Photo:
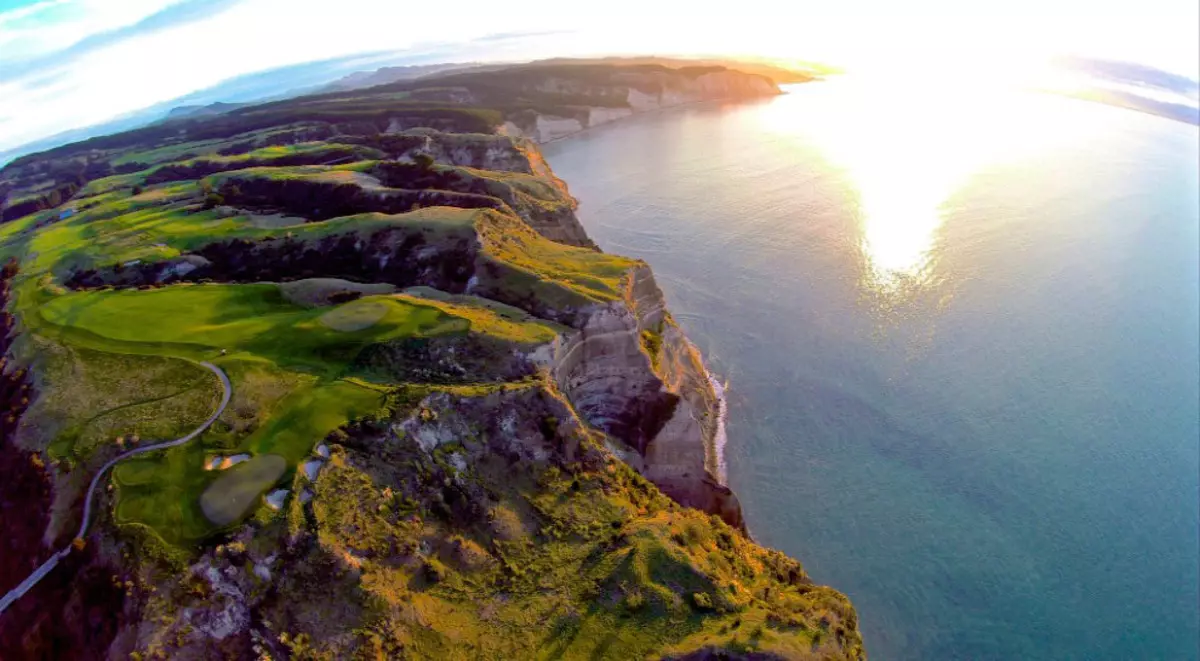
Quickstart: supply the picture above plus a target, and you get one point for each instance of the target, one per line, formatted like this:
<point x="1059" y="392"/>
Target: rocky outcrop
<point x="632" y="372"/>
<point x="630" y="93"/>
<point x="477" y="150"/>
<point x="541" y="200"/>
<point x="502" y="153"/>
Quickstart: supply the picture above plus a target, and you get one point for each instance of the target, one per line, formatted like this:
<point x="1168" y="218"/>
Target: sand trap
<point x="221" y="463"/>
<point x="232" y="494"/>
<point x="312" y="467"/>
<point x="323" y="451"/>
<point x="233" y="461"/>
<point x="275" y="498"/>
<point x="355" y="316"/>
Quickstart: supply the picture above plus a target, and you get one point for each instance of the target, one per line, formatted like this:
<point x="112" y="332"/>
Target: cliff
<point x="457" y="428"/>
<point x="632" y="372"/>
<point x="627" y="94"/>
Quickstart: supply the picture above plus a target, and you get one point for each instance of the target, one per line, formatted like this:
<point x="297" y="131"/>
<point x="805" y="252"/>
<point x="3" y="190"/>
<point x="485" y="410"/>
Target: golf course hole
<point x="230" y="496"/>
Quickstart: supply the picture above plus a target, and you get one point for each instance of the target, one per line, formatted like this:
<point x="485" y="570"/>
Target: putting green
<point x="355" y="316"/>
<point x="233" y="494"/>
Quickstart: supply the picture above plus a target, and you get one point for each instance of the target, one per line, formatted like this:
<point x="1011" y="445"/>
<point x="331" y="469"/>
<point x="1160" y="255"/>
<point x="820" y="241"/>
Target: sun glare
<point x="906" y="145"/>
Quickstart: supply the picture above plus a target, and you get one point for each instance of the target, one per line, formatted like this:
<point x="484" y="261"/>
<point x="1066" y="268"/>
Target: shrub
<point x="423" y="161"/>
<point x="435" y="571"/>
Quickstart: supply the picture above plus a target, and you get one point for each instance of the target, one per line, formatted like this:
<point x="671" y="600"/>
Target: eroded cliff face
<point x="632" y="93"/>
<point x="631" y="372"/>
<point x="552" y="216"/>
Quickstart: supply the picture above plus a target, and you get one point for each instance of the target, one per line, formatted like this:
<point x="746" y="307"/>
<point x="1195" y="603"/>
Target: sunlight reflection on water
<point x="906" y="148"/>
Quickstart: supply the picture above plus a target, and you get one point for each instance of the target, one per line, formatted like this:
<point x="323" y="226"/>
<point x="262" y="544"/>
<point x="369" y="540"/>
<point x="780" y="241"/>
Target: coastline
<point x="721" y="436"/>
<point x="654" y="111"/>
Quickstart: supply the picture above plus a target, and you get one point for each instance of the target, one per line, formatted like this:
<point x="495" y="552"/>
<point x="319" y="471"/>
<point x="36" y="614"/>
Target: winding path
<point x="52" y="562"/>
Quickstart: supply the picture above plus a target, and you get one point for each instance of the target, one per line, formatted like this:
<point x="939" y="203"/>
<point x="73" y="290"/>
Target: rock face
<point x="632" y="372"/>
<point x="631" y="93"/>
<point x="552" y="215"/>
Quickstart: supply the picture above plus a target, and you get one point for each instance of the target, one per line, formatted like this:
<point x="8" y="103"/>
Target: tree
<point x="78" y="544"/>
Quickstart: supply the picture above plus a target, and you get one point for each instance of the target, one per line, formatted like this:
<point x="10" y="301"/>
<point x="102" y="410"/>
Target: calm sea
<point x="960" y="337"/>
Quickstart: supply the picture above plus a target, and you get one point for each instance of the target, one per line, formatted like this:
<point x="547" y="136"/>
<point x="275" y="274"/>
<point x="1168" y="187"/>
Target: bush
<point x="435" y="571"/>
<point x="702" y="601"/>
<point x="423" y="161"/>
<point x="634" y="601"/>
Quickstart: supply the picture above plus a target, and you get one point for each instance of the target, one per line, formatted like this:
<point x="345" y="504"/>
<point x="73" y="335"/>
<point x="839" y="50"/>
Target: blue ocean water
<point x="960" y="336"/>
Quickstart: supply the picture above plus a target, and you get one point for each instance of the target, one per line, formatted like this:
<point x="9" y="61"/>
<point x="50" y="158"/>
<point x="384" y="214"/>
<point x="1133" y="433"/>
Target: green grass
<point x="566" y="563"/>
<point x="290" y="414"/>
<point x="311" y="412"/>
<point x="237" y="489"/>
<point x="161" y="490"/>
<point x="207" y="148"/>
<point x="90" y="397"/>
<point x="173" y="152"/>
<point x="544" y="270"/>
<point x="199" y="320"/>
<point x="291" y="368"/>
<point x="121" y="363"/>
<point x="517" y="537"/>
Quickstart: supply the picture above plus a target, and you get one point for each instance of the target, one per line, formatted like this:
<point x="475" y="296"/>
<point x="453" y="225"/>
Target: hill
<point x="457" y="429"/>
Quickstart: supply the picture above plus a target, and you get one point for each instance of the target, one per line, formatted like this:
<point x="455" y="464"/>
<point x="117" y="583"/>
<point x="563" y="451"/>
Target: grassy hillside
<point x="396" y="475"/>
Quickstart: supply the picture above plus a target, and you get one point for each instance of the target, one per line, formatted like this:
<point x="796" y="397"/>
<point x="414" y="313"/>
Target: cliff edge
<point x="457" y="428"/>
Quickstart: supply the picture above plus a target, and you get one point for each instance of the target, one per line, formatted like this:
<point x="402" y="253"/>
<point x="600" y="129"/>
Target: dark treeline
<point x="204" y="167"/>
<point x="55" y="198"/>
<point x="25" y="489"/>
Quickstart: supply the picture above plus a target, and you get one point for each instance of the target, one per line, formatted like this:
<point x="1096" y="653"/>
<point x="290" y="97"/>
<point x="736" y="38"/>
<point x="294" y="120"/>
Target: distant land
<point x="348" y="73"/>
<point x="1121" y="84"/>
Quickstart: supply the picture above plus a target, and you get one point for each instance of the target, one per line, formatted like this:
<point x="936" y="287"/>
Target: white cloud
<point x="20" y="13"/>
<point x="28" y="31"/>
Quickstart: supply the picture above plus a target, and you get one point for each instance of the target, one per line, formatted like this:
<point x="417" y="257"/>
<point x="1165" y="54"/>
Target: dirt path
<point x="52" y="562"/>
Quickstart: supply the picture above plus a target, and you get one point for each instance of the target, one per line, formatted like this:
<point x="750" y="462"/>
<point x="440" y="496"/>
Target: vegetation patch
<point x="89" y="398"/>
<point x="373" y="273"/>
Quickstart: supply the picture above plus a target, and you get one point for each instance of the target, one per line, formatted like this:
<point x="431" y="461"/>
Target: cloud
<point x="172" y="16"/>
<point x="72" y="63"/>
<point x="21" y="13"/>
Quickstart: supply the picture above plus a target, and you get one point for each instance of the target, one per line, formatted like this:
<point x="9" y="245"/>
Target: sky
<point x="66" y="64"/>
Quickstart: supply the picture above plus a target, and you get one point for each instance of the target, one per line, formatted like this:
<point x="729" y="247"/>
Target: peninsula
<point x="454" y="427"/>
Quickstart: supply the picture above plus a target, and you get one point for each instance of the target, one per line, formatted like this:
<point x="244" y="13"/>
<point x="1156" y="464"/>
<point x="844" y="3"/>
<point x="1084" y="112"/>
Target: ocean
<point x="958" y="333"/>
